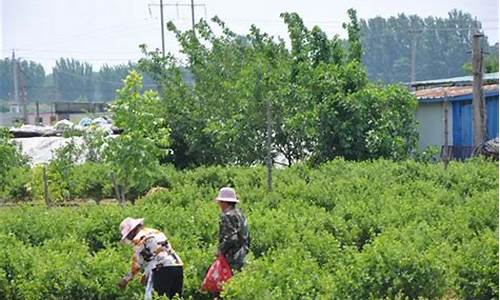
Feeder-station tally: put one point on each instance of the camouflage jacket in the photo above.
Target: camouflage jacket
(234, 239)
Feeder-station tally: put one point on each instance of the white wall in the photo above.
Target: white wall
(430, 127)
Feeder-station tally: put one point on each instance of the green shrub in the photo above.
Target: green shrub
(344, 230)
(91, 180)
(477, 279)
(17, 187)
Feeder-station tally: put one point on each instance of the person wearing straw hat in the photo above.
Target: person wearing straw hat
(153, 255)
(234, 238)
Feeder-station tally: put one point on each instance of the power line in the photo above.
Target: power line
(425, 30)
(69, 51)
(99, 80)
(103, 29)
(82, 58)
(162, 23)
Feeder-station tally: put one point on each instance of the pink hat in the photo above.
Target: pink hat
(129, 224)
(227, 194)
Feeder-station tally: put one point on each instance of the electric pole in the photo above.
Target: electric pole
(162, 30)
(15, 77)
(477, 94)
(446, 152)
(23, 95)
(192, 16)
(413, 32)
(269, 133)
(177, 4)
(268, 144)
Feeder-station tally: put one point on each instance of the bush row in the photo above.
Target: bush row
(365, 230)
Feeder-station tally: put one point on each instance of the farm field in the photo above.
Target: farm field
(343, 230)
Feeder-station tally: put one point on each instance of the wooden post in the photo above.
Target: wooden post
(477, 107)
(268, 142)
(37, 121)
(413, 67)
(46, 187)
(446, 154)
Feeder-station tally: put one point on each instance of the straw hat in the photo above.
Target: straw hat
(227, 194)
(129, 224)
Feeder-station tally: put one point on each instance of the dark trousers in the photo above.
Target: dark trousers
(168, 280)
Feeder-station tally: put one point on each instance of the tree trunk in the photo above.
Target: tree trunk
(118, 194)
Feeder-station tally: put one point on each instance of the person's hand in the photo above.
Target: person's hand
(123, 283)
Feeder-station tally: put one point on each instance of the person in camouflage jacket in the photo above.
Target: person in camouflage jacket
(234, 239)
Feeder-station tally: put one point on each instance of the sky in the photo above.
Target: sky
(109, 31)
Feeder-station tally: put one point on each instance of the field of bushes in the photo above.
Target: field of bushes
(343, 230)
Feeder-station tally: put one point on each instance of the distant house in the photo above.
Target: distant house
(56, 111)
(75, 111)
(431, 96)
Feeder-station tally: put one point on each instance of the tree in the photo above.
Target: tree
(442, 45)
(322, 103)
(73, 80)
(31, 74)
(490, 62)
(110, 78)
(11, 155)
(133, 156)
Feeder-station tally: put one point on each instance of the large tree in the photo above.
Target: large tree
(73, 80)
(110, 78)
(30, 75)
(322, 103)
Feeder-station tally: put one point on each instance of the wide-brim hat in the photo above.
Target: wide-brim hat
(227, 194)
(129, 224)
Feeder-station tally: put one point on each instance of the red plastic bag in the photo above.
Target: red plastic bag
(218, 273)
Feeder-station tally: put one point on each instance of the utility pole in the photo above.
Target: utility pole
(446, 152)
(267, 98)
(23, 92)
(15, 77)
(177, 4)
(38, 121)
(414, 33)
(477, 94)
(162, 30)
(268, 144)
(24, 98)
(192, 16)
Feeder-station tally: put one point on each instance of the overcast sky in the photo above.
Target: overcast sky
(109, 31)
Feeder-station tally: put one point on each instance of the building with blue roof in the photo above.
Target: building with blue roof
(457, 92)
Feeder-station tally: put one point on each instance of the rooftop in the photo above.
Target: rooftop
(488, 78)
(452, 92)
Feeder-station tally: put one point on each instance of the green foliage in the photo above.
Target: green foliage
(61, 186)
(387, 44)
(353, 31)
(109, 80)
(91, 180)
(73, 79)
(475, 280)
(17, 187)
(143, 141)
(430, 154)
(343, 230)
(322, 105)
(13, 167)
(30, 72)
(490, 63)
